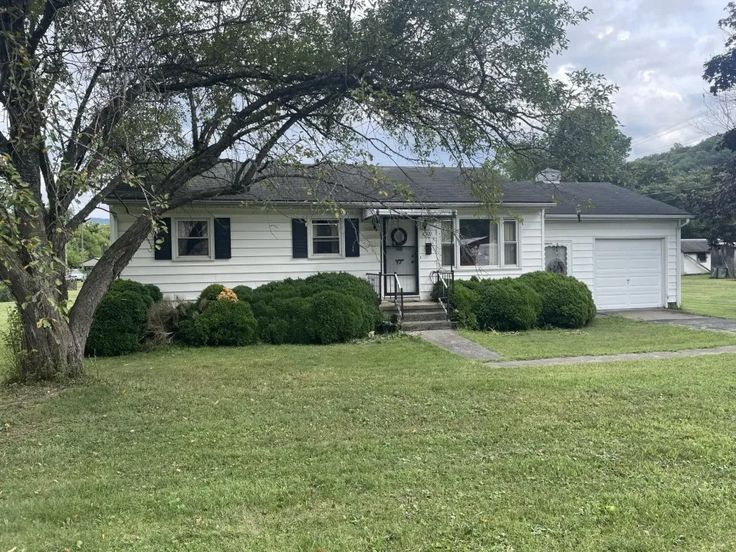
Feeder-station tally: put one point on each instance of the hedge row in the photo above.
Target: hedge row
(325, 308)
(536, 299)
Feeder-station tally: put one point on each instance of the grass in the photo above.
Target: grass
(392, 445)
(703, 295)
(604, 336)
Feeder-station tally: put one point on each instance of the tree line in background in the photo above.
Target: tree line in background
(89, 241)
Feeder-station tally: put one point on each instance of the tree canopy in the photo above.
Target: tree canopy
(584, 143)
(151, 93)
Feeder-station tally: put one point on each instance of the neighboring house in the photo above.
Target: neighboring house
(412, 222)
(696, 256)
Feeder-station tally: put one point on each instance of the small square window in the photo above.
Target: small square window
(325, 237)
(192, 238)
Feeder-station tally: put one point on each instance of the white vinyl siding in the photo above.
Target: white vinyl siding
(261, 253)
(581, 239)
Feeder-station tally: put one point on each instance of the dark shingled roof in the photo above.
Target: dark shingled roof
(417, 186)
(694, 246)
(604, 198)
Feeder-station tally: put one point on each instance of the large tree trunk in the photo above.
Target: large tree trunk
(52, 344)
(50, 350)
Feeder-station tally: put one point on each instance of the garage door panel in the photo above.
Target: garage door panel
(628, 274)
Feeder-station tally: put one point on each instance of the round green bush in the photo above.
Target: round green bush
(154, 292)
(119, 324)
(208, 295)
(244, 293)
(336, 318)
(221, 323)
(507, 305)
(566, 302)
(284, 320)
(133, 287)
(463, 299)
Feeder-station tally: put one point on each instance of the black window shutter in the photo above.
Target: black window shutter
(162, 246)
(299, 239)
(352, 237)
(222, 238)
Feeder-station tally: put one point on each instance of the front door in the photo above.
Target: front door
(400, 255)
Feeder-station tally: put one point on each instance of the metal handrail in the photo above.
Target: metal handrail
(398, 296)
(372, 277)
(444, 299)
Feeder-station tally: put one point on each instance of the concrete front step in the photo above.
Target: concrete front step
(416, 316)
(423, 325)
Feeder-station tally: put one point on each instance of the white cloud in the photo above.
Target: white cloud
(654, 51)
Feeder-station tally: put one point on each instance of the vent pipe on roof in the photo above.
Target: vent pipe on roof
(549, 176)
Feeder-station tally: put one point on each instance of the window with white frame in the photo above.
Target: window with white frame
(448, 242)
(193, 238)
(325, 237)
(478, 242)
(484, 242)
(510, 243)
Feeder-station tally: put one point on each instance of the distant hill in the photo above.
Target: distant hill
(99, 220)
(673, 176)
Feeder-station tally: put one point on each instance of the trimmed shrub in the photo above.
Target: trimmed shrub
(507, 305)
(566, 302)
(464, 298)
(244, 293)
(337, 317)
(139, 289)
(119, 323)
(209, 294)
(223, 322)
(284, 320)
(284, 310)
(154, 292)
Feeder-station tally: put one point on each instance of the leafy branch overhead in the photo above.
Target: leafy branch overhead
(153, 93)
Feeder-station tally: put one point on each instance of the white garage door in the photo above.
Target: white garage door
(628, 274)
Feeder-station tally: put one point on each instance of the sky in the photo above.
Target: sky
(654, 50)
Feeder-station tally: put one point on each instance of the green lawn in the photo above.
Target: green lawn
(604, 336)
(703, 295)
(392, 445)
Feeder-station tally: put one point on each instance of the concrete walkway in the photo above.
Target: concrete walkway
(678, 318)
(623, 357)
(452, 341)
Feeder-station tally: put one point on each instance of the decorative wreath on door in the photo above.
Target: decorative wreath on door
(398, 236)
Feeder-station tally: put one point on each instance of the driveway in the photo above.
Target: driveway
(679, 318)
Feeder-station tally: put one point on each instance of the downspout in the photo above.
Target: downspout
(681, 225)
(544, 227)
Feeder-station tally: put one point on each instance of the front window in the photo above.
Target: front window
(478, 242)
(510, 243)
(555, 259)
(325, 237)
(448, 243)
(192, 238)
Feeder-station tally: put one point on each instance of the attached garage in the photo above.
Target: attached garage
(628, 273)
(624, 246)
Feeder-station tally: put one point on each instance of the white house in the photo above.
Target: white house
(696, 256)
(404, 224)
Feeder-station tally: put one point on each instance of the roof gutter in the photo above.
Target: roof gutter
(610, 217)
(357, 204)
